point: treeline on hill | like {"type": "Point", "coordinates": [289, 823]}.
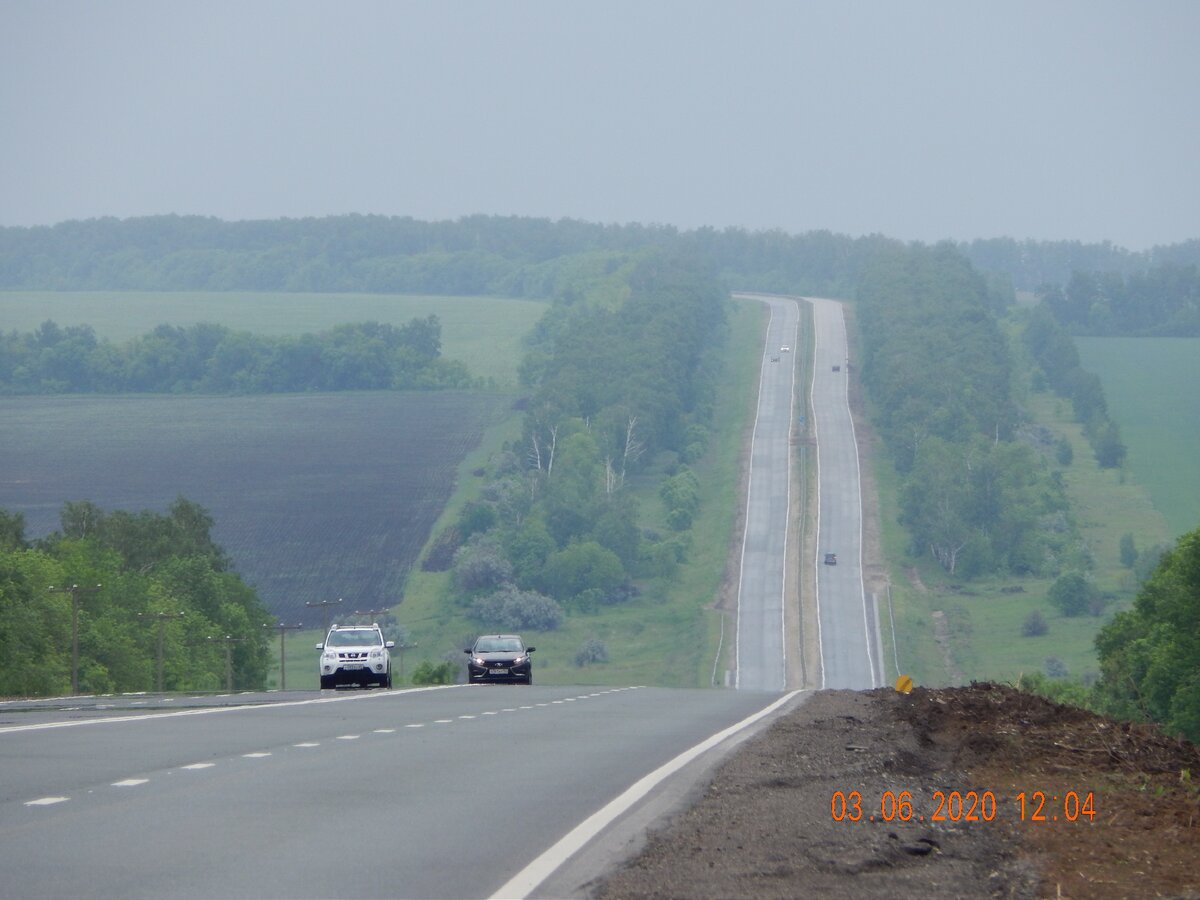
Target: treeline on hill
{"type": "Point", "coordinates": [208, 358]}
{"type": "Point", "coordinates": [975, 495]}
{"type": "Point", "coordinates": [503, 256]}
{"type": "Point", "coordinates": [623, 381]}
{"type": "Point", "coordinates": [1034, 264]}
{"type": "Point", "coordinates": [1058, 359]}
{"type": "Point", "coordinates": [1163, 301]}
{"type": "Point", "coordinates": [135, 579]}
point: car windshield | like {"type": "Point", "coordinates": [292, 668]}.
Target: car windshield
{"type": "Point", "coordinates": [498, 645]}
{"type": "Point", "coordinates": [354, 637]}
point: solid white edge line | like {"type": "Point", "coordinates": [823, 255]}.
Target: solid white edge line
{"type": "Point", "coordinates": [43, 726]}
{"type": "Point", "coordinates": [526, 881]}
{"type": "Point", "coordinates": [862, 585]}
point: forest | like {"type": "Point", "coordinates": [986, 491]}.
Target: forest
{"type": "Point", "coordinates": [209, 358]}
{"type": "Point", "coordinates": [615, 386]}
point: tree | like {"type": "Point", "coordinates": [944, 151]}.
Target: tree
{"type": "Point", "coordinates": [582, 566]}
{"type": "Point", "coordinates": [1071, 594]}
{"type": "Point", "coordinates": [1150, 655]}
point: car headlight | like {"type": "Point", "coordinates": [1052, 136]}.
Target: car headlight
{"type": "Point", "coordinates": [519, 660]}
{"type": "Point", "coordinates": [479, 661]}
{"type": "Point", "coordinates": [376, 654]}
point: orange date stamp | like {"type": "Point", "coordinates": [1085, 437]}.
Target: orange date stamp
{"type": "Point", "coordinates": [963, 806]}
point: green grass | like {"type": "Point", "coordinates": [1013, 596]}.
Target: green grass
{"type": "Point", "coordinates": [1153, 390]}
{"type": "Point", "coordinates": [668, 635]}
{"type": "Point", "coordinates": [483, 332]}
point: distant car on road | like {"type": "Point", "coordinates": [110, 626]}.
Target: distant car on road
{"type": "Point", "coordinates": [499, 658]}
{"type": "Point", "coordinates": [355, 654]}
{"type": "Point", "coordinates": [831, 559]}
{"type": "Point", "coordinates": [785, 349]}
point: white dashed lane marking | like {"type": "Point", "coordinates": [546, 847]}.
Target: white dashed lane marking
{"type": "Point", "coordinates": [46, 801]}
{"type": "Point", "coordinates": [134, 782]}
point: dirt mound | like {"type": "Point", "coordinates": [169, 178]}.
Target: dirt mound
{"type": "Point", "coordinates": [979, 791]}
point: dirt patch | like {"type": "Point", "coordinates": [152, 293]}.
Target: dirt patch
{"type": "Point", "coordinates": [1121, 813]}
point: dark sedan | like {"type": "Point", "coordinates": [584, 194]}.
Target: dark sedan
{"type": "Point", "coordinates": [499, 658]}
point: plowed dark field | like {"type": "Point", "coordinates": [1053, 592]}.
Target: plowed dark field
{"type": "Point", "coordinates": [315, 497]}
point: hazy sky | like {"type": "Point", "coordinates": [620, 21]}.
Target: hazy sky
{"type": "Point", "coordinates": [919, 120]}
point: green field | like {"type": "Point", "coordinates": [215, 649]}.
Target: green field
{"type": "Point", "coordinates": [1153, 390]}
{"type": "Point", "coordinates": [483, 332]}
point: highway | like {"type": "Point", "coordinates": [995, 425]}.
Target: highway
{"type": "Point", "coordinates": [847, 641]}
{"type": "Point", "coordinates": [441, 792]}
{"type": "Point", "coordinates": [460, 791]}
{"type": "Point", "coordinates": [849, 654]}
{"type": "Point", "coordinates": [762, 655]}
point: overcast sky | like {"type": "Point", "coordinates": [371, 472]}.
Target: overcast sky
{"type": "Point", "coordinates": [919, 120]}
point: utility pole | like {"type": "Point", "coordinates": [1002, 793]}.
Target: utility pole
{"type": "Point", "coordinates": [229, 641]}
{"type": "Point", "coordinates": [324, 605]}
{"type": "Point", "coordinates": [283, 629]}
{"type": "Point", "coordinates": [400, 647]}
{"type": "Point", "coordinates": [162, 618]}
{"type": "Point", "coordinates": [74, 590]}
{"type": "Point", "coordinates": [370, 613]}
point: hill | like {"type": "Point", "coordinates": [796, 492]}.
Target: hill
{"type": "Point", "coordinates": [378, 466]}
{"type": "Point", "coordinates": [1110, 809]}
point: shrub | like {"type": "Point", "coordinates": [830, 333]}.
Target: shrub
{"type": "Point", "coordinates": [428, 673]}
{"type": "Point", "coordinates": [1055, 667]}
{"type": "Point", "coordinates": [592, 651]}
{"type": "Point", "coordinates": [480, 565]}
{"type": "Point", "coordinates": [513, 610]}
{"type": "Point", "coordinates": [1034, 624]}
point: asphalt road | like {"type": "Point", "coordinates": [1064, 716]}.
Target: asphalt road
{"type": "Point", "coordinates": [761, 634]}
{"type": "Point", "coordinates": [849, 655]}
{"type": "Point", "coordinates": [848, 645]}
{"type": "Point", "coordinates": [443, 792]}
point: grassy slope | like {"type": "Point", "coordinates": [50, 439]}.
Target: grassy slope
{"type": "Point", "coordinates": [668, 635]}
{"type": "Point", "coordinates": [482, 332]}
{"type": "Point", "coordinates": [1153, 390]}
{"type": "Point", "coordinates": [984, 617]}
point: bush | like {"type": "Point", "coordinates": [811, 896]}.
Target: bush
{"type": "Point", "coordinates": [428, 673]}
{"type": "Point", "coordinates": [1055, 667]}
{"type": "Point", "coordinates": [592, 651]}
{"type": "Point", "coordinates": [1034, 624]}
{"type": "Point", "coordinates": [1071, 594]}
{"type": "Point", "coordinates": [480, 565]}
{"type": "Point", "coordinates": [513, 610]}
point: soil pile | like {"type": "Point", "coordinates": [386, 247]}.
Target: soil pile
{"type": "Point", "coordinates": [979, 791]}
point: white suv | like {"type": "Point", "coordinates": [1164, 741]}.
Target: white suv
{"type": "Point", "coordinates": [355, 654]}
